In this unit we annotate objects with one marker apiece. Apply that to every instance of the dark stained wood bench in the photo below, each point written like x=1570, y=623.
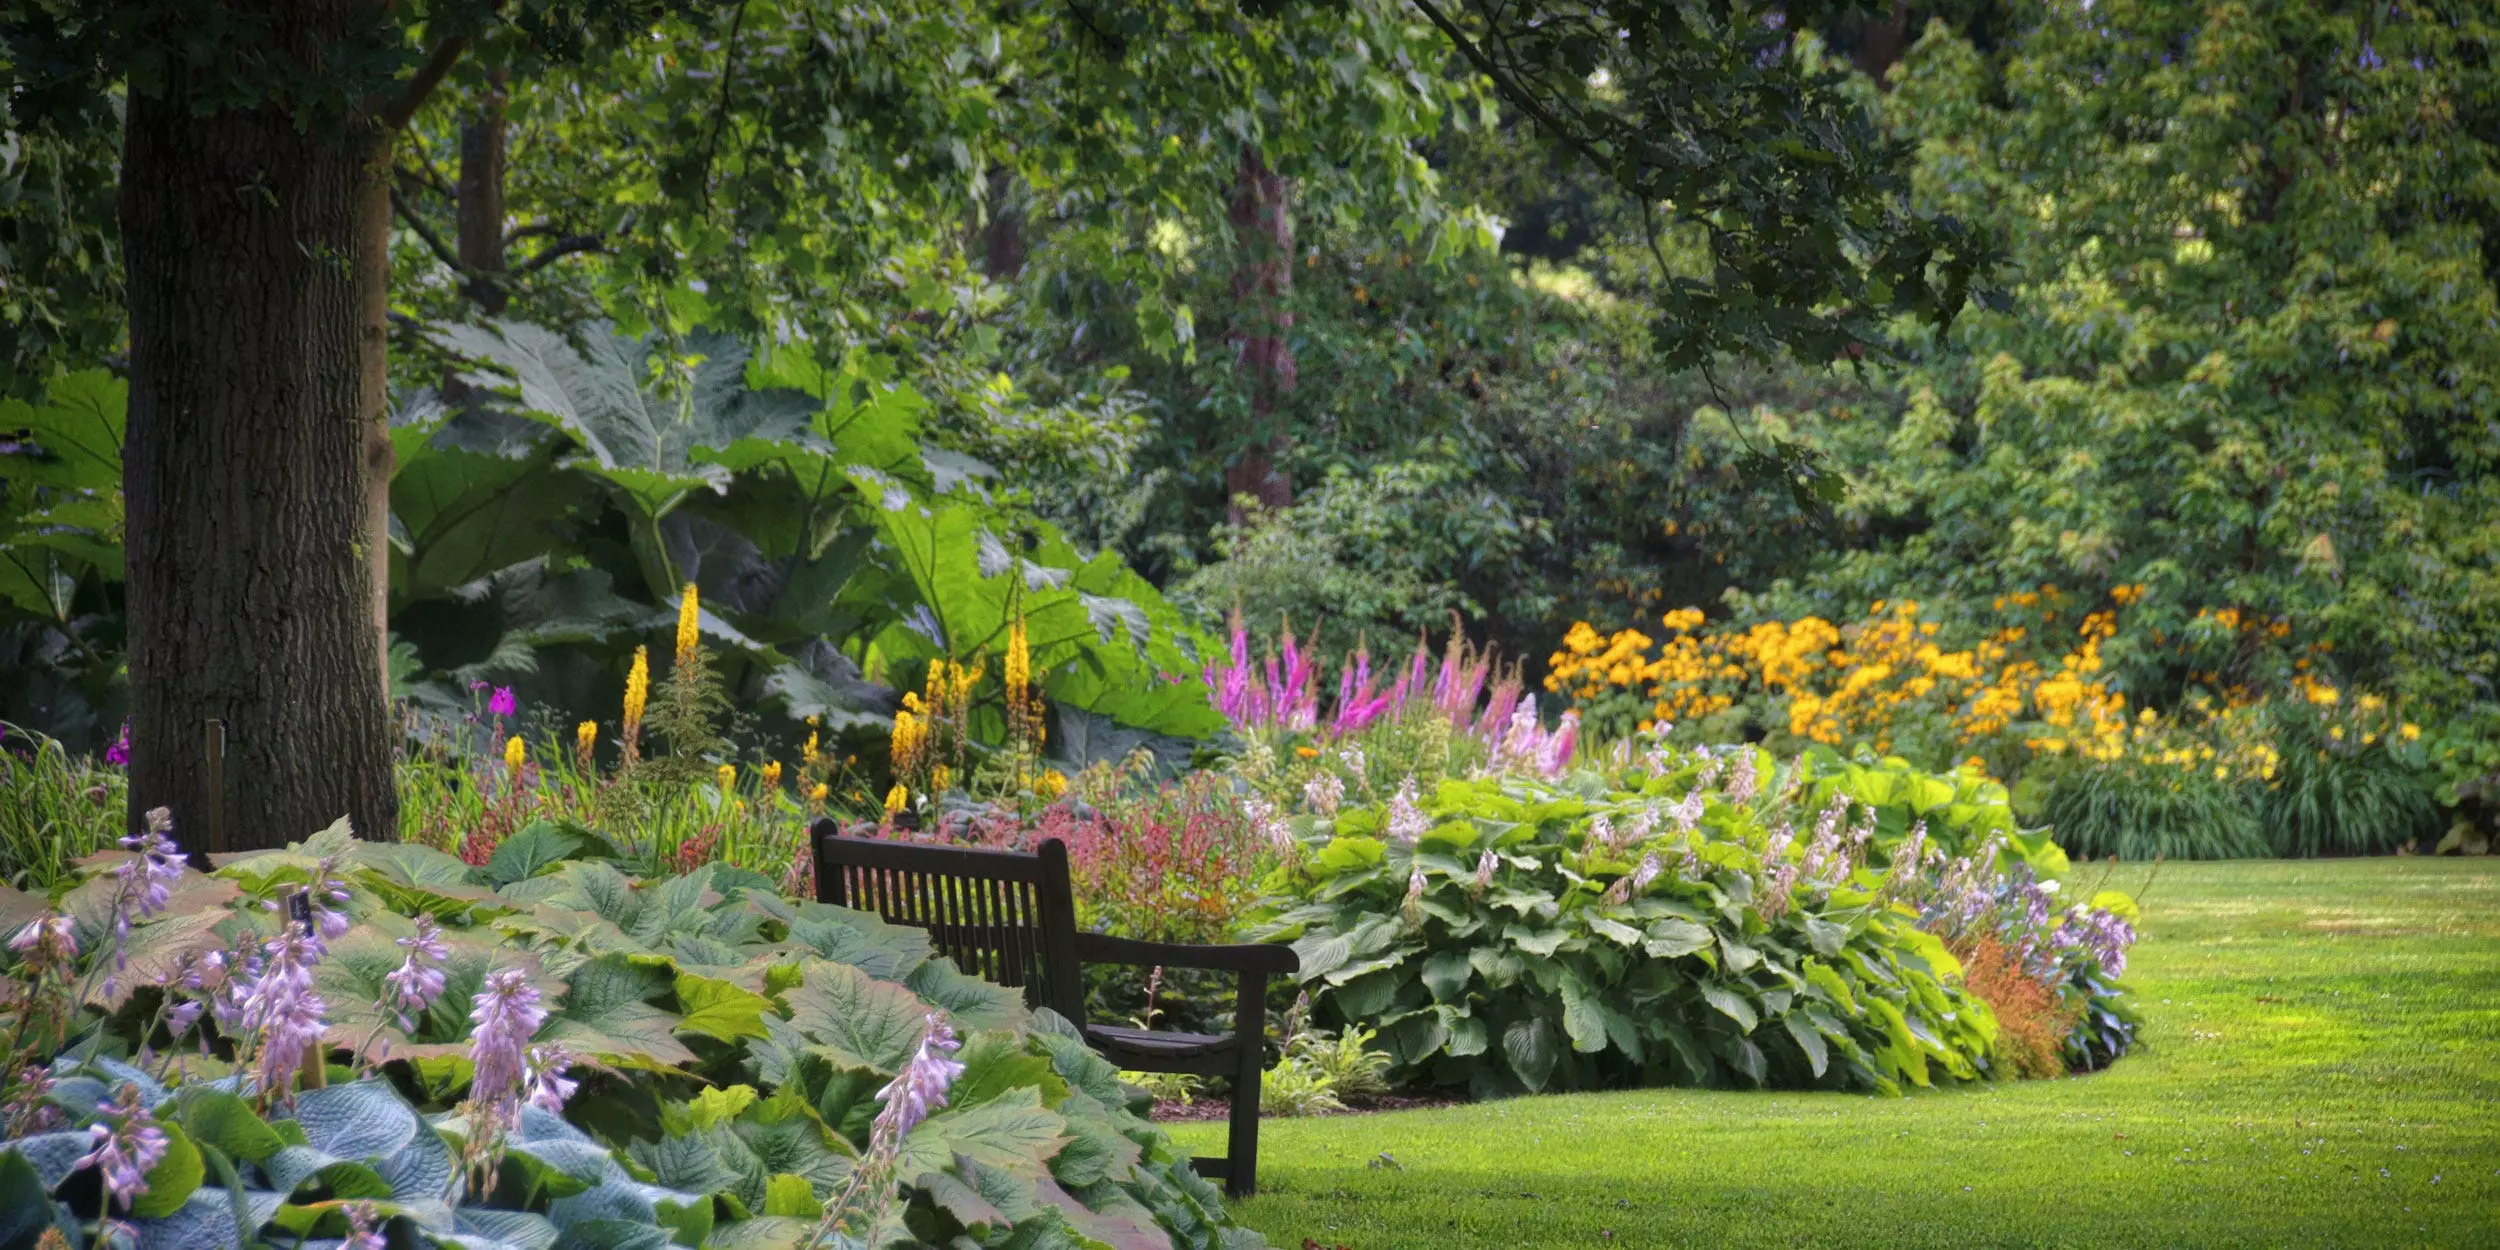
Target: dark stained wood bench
x=1011, y=918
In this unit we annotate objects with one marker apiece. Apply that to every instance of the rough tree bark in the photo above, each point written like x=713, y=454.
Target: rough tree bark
x=1880, y=42
x=255, y=300
x=481, y=196
x=1260, y=211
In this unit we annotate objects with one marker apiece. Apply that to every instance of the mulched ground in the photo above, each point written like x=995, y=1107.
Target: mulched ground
x=1219, y=1108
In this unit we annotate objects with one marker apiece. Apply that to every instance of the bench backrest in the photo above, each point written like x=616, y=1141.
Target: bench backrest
x=1005, y=916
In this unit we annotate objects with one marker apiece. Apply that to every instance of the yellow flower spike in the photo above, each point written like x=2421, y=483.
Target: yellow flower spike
x=819, y=794
x=586, y=734
x=515, y=754
x=772, y=775
x=896, y=798
x=637, y=690
x=689, y=625
x=809, y=756
x=728, y=777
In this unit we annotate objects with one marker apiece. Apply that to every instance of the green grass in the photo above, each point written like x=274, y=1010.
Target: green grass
x=2320, y=1066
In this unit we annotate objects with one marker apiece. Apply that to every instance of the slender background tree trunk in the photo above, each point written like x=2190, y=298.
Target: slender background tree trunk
x=1262, y=219
x=481, y=195
x=255, y=303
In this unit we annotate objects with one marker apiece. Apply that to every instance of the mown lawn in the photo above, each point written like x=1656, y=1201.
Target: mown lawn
x=2321, y=1066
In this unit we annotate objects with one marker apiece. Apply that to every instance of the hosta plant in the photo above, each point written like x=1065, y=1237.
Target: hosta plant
x=1663, y=920
x=345, y=1039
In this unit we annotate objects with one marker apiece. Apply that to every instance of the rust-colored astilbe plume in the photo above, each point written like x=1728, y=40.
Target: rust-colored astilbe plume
x=2032, y=1022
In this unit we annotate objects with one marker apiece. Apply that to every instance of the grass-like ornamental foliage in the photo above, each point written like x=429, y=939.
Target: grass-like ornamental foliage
x=1666, y=922
x=737, y=1056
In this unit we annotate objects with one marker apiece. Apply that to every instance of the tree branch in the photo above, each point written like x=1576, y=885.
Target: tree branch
x=566, y=246
x=1507, y=85
x=433, y=242
x=720, y=110
x=430, y=75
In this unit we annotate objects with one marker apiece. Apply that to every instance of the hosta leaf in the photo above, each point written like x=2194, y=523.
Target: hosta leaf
x=1672, y=938
x=1582, y=1018
x=358, y=1120
x=1808, y=1040
x=206, y=1220
x=1446, y=974
x=171, y=1182
x=1732, y=1005
x=1529, y=1045
x=519, y=1230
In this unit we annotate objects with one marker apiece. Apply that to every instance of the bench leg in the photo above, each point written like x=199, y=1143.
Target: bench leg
x=1250, y=1026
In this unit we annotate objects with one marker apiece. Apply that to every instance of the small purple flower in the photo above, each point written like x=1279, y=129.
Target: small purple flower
x=26, y=1111
x=127, y=1148
x=501, y=703
x=921, y=1089
x=329, y=894
x=282, y=1007
x=50, y=942
x=418, y=980
x=147, y=877
x=118, y=754
x=545, y=1086
x=184, y=1014
x=363, y=1228
x=507, y=1015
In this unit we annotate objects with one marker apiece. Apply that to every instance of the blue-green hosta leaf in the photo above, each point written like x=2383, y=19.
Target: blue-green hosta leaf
x=52, y=1155
x=764, y=1232
x=206, y=1220
x=618, y=1232
x=1673, y=938
x=25, y=1202
x=1583, y=1019
x=518, y=1230
x=1096, y=1150
x=1013, y=1131
x=358, y=1120
x=689, y=1161
x=861, y=1021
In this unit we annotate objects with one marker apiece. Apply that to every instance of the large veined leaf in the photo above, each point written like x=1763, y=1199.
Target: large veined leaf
x=608, y=1012
x=1013, y=1131
x=859, y=1020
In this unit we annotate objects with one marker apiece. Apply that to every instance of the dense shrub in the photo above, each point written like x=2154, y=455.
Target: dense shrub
x=740, y=1061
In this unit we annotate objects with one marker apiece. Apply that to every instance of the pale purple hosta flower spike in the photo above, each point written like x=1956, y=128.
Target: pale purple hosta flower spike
x=1413, y=907
x=47, y=943
x=921, y=1089
x=282, y=1007
x=1484, y=871
x=127, y=1149
x=148, y=876
x=1407, y=822
x=418, y=980
x=1602, y=831
x=328, y=892
x=1646, y=873
x=364, y=1231
x=1324, y=793
x=507, y=1015
x=545, y=1086
x=1745, y=782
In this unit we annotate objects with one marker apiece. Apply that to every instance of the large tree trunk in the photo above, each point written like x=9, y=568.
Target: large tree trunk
x=481, y=196
x=1880, y=43
x=255, y=344
x=1261, y=215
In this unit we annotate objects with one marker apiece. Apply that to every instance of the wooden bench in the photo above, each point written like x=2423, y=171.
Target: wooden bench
x=1010, y=917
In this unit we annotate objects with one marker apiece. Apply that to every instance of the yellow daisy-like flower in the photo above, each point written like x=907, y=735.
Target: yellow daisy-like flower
x=2409, y=731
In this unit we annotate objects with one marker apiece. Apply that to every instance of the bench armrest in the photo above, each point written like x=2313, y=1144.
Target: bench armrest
x=1250, y=957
